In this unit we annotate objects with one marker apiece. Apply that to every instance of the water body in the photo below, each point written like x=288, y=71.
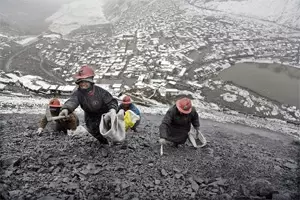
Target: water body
x=278, y=82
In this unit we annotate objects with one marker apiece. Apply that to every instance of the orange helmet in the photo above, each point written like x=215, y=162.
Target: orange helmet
x=184, y=105
x=55, y=103
x=126, y=100
x=85, y=73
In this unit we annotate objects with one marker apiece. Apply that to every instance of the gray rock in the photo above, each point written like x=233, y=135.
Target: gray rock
x=73, y=186
x=178, y=176
x=195, y=186
x=261, y=187
x=223, y=197
x=164, y=172
x=285, y=196
x=176, y=170
x=198, y=180
x=49, y=198
x=291, y=165
x=219, y=182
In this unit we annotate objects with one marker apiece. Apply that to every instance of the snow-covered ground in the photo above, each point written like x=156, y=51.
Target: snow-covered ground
x=27, y=40
x=284, y=12
x=73, y=15
x=52, y=36
x=5, y=36
x=31, y=105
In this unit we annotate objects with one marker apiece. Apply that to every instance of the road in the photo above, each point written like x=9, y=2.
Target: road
x=8, y=63
x=47, y=72
x=41, y=59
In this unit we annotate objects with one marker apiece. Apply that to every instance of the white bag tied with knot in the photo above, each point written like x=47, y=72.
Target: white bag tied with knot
x=112, y=126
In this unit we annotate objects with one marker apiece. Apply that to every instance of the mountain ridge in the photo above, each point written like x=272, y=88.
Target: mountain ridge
x=284, y=13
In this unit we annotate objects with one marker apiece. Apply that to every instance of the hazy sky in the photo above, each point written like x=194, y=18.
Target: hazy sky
x=30, y=15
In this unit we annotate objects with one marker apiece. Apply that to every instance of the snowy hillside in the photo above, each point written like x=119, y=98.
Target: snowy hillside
x=75, y=14
x=285, y=12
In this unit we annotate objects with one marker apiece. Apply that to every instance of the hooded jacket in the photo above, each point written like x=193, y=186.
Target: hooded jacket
x=131, y=107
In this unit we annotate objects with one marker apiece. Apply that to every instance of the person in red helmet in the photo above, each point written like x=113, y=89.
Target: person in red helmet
x=128, y=105
x=94, y=101
x=176, y=124
x=70, y=123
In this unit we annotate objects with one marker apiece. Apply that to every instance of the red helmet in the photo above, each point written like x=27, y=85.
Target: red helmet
x=126, y=100
x=54, y=103
x=84, y=72
x=184, y=105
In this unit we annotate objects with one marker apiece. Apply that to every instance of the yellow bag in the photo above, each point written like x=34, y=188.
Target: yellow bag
x=130, y=119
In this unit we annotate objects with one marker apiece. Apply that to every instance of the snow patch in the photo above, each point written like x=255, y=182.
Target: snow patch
x=229, y=97
x=27, y=41
x=52, y=36
x=17, y=104
x=1, y=35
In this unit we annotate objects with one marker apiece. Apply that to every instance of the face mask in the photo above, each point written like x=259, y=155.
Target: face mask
x=86, y=90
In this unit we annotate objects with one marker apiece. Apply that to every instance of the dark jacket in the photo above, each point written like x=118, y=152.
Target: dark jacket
x=131, y=107
x=94, y=103
x=176, y=126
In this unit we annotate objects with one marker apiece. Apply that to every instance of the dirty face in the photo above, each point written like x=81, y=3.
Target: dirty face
x=84, y=85
x=126, y=106
x=181, y=113
x=54, y=110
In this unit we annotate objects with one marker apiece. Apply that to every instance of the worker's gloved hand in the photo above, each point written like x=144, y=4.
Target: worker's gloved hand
x=64, y=112
x=112, y=111
x=162, y=141
x=39, y=131
x=109, y=114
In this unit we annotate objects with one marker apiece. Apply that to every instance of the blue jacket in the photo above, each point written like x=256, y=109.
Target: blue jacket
x=132, y=107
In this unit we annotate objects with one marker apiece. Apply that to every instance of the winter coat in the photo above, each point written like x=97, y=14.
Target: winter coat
x=69, y=123
x=176, y=126
x=94, y=103
x=131, y=107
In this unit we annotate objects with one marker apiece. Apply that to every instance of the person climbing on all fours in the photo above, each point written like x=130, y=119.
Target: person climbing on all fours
x=176, y=124
x=94, y=101
x=128, y=105
x=69, y=124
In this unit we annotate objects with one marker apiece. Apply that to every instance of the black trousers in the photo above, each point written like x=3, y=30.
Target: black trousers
x=92, y=123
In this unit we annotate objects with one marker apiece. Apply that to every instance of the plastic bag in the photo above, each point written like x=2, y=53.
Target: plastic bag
x=114, y=128
x=130, y=119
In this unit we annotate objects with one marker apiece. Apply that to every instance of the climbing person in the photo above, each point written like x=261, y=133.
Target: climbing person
x=176, y=124
x=66, y=125
x=94, y=101
x=128, y=105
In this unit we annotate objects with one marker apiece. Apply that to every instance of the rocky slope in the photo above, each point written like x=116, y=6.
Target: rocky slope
x=238, y=163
